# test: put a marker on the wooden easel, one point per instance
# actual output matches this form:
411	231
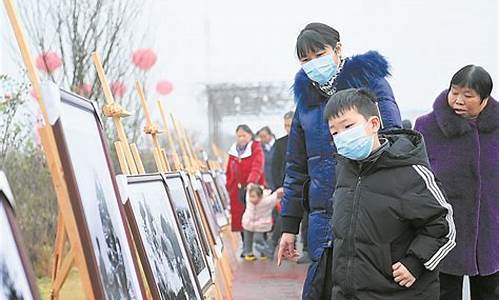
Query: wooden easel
67	230
177	162
152	130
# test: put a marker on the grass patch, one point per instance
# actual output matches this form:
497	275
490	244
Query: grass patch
72	288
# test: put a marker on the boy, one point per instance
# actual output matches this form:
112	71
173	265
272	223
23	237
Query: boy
391	222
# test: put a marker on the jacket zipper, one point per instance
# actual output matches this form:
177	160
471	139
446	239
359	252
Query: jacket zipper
352	230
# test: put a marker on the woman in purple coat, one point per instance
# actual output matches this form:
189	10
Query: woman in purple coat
461	136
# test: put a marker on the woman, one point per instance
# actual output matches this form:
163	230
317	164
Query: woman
310	171
461	136
245	166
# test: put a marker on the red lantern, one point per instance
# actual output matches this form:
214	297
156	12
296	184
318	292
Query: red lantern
85	89
118	88
144	59
164	87
48	62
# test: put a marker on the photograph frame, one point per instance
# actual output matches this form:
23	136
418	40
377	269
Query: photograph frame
215	198
213	227
75	197
7	205
205	284
142	252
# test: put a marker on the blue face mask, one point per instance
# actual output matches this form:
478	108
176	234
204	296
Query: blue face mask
321	69
354	143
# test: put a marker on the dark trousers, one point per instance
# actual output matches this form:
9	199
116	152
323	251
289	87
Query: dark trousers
303	231
276	233
481	287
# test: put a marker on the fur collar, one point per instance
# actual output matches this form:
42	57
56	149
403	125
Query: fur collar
453	125
359	71
247	153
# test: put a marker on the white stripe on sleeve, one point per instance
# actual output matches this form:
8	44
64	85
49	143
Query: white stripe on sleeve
432	186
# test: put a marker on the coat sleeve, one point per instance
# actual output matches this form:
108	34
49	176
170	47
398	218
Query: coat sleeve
295	177
431	215
257	168
389	110
277	164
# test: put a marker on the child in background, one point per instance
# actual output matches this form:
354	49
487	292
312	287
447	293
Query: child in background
257	218
392	225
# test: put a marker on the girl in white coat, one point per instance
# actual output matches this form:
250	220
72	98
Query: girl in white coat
257	218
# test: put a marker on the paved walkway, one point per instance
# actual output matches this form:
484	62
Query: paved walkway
264	280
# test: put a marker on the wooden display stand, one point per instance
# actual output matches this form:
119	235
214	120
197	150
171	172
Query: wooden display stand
152	130
67	230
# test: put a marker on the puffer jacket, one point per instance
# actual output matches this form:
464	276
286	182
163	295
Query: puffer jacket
310	164
258	217
389	208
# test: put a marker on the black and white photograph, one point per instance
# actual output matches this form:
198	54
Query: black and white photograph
220	182
210	215
215	199
95	187
14	283
161	240
178	195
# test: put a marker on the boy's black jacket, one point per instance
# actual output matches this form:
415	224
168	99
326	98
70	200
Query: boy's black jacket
387	209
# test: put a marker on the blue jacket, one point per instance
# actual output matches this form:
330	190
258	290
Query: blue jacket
310	164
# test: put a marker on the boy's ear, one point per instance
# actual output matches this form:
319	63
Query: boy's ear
374	124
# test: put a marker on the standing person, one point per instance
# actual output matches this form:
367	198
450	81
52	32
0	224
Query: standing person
277	176
310	172
461	136
391	223
257	218
267	140
244	167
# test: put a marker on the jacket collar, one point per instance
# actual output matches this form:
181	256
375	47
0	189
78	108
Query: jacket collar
247	153
358	71
453	125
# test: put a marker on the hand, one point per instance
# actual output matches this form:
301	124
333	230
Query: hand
287	248
402	275
280	192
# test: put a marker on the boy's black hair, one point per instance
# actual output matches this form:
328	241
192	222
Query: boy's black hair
315	37
246	129
361	100
473	77
256	189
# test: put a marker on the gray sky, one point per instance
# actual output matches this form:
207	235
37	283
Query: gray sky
197	41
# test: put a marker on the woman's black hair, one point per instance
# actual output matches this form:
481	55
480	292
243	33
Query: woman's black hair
315	37
246	129
473	77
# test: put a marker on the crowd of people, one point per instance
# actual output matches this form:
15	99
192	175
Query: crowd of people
384	210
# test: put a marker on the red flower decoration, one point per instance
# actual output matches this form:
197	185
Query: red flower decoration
118	88
85	89
48	62
144	59
164	87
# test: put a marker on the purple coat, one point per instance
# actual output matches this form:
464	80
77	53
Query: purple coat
464	156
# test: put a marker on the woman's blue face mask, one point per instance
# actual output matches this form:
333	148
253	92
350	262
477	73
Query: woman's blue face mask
321	69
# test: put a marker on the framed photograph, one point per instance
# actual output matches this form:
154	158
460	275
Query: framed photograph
208	213
94	196
161	246
16	277
220	183
215	199
197	214
181	204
